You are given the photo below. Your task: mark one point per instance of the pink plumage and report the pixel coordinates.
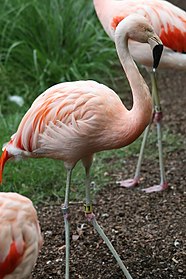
(73, 120)
(20, 236)
(168, 21)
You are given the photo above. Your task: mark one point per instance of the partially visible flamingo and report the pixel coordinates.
(20, 236)
(169, 22)
(73, 120)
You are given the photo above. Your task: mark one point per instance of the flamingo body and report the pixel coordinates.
(168, 21)
(73, 120)
(20, 237)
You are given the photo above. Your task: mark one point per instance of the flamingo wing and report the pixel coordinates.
(65, 117)
(168, 21)
(57, 107)
(12, 260)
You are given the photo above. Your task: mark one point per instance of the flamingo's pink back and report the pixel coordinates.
(168, 21)
(20, 236)
(69, 121)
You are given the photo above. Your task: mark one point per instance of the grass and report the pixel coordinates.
(46, 44)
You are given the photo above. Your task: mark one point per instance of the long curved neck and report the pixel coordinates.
(141, 111)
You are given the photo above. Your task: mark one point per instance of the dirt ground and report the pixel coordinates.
(148, 230)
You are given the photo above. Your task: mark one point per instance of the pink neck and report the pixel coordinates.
(140, 114)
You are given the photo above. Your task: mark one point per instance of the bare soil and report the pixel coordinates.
(148, 230)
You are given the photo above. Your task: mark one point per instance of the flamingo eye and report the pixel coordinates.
(148, 29)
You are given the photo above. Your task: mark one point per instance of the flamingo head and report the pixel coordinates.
(139, 29)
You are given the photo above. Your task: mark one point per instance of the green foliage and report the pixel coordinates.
(51, 41)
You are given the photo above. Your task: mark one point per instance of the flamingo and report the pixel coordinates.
(169, 22)
(20, 237)
(73, 120)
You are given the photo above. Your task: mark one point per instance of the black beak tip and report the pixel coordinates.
(157, 52)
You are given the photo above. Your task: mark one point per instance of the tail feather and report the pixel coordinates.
(3, 159)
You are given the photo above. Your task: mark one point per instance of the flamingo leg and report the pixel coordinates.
(158, 118)
(91, 218)
(132, 182)
(111, 248)
(65, 211)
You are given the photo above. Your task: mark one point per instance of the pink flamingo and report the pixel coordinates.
(169, 22)
(73, 120)
(20, 237)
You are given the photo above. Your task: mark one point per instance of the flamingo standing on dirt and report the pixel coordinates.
(169, 22)
(73, 120)
(20, 236)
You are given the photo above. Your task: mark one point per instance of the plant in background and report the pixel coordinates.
(51, 41)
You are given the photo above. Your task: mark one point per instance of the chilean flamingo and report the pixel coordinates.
(169, 22)
(20, 237)
(73, 120)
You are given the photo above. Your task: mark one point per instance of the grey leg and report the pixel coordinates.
(132, 182)
(158, 118)
(91, 218)
(65, 211)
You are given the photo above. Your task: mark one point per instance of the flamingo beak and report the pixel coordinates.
(3, 159)
(157, 49)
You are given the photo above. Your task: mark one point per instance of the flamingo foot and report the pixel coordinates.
(90, 216)
(156, 188)
(129, 183)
